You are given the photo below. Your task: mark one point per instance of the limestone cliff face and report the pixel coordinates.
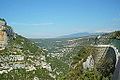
(89, 63)
(6, 33)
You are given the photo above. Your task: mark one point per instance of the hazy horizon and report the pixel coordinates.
(53, 18)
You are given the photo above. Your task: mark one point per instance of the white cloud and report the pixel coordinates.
(106, 31)
(116, 19)
(32, 24)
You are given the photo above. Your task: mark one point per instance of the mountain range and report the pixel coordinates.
(80, 34)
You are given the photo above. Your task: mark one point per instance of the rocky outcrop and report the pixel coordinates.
(19, 53)
(6, 33)
(89, 63)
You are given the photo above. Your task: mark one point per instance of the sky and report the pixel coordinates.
(52, 18)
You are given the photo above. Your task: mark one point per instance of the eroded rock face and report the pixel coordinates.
(6, 33)
(3, 37)
(89, 63)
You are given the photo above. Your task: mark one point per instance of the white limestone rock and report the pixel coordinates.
(89, 63)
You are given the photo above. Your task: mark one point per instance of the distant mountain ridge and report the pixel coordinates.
(81, 34)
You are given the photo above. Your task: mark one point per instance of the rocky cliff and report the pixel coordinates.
(20, 58)
(6, 34)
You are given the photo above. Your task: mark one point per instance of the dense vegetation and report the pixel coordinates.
(22, 74)
(112, 35)
(27, 49)
(78, 53)
(78, 73)
(22, 46)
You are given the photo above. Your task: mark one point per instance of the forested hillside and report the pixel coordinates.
(73, 52)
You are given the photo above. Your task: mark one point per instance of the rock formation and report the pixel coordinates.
(6, 33)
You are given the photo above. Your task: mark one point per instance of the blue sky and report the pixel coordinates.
(52, 18)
